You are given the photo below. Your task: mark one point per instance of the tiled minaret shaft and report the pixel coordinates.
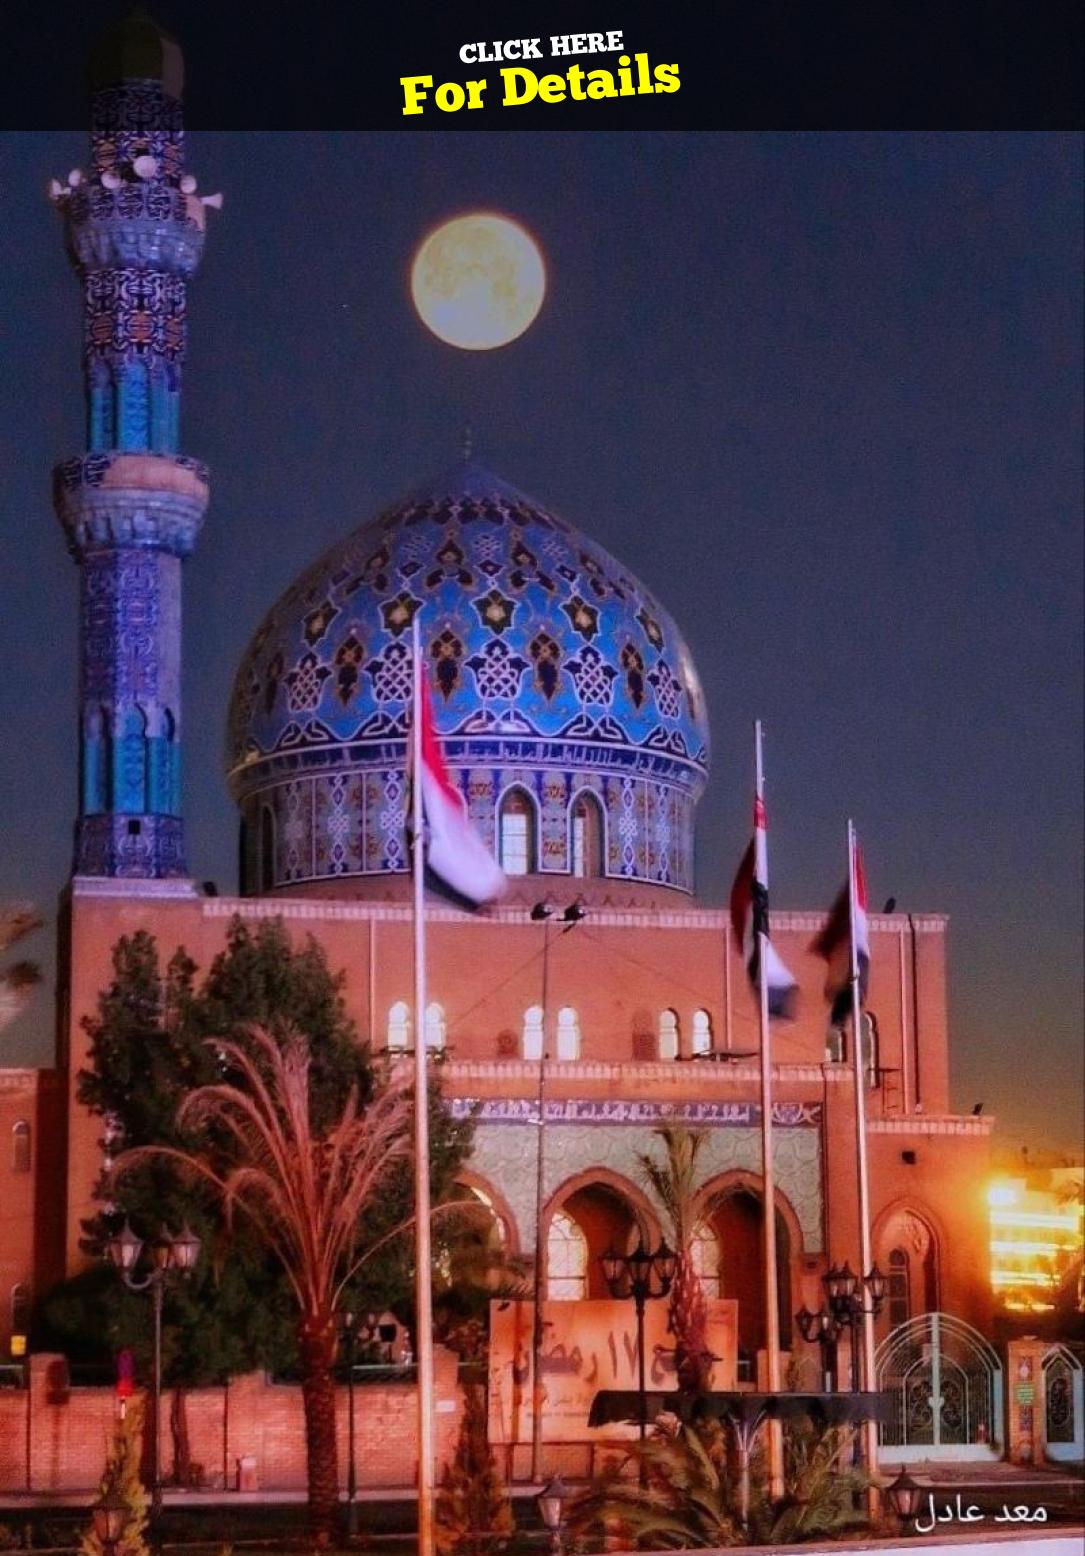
(132, 505)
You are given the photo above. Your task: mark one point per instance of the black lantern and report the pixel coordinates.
(124, 1249)
(877, 1284)
(612, 1263)
(903, 1496)
(667, 1264)
(848, 1281)
(551, 1500)
(185, 1250)
(110, 1514)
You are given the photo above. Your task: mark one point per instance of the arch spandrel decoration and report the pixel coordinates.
(505, 1154)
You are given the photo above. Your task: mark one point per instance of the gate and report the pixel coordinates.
(945, 1384)
(1064, 1404)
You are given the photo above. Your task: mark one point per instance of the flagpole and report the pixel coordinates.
(768, 1172)
(422, 1252)
(867, 1376)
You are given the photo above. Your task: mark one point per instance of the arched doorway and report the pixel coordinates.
(945, 1384)
(906, 1249)
(588, 1222)
(735, 1220)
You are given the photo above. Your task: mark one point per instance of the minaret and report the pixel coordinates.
(132, 505)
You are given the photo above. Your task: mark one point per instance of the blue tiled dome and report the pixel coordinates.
(548, 662)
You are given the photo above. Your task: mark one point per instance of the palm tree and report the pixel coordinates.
(688, 1499)
(304, 1191)
(675, 1184)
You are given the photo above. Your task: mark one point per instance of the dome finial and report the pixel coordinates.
(468, 441)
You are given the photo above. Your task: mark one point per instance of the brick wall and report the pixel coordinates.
(64, 1431)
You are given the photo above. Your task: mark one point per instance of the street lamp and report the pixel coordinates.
(852, 1298)
(349, 1337)
(642, 1275)
(552, 1499)
(823, 1327)
(903, 1496)
(171, 1257)
(110, 1514)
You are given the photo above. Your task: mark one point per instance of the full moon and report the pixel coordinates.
(478, 281)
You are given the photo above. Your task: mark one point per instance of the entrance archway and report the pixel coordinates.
(585, 1221)
(1064, 1404)
(734, 1218)
(945, 1384)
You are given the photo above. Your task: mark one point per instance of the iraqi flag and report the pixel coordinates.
(750, 920)
(455, 853)
(833, 945)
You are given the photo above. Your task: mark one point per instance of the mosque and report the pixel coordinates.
(574, 723)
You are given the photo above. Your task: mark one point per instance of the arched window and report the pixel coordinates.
(586, 839)
(267, 849)
(533, 1032)
(131, 788)
(704, 1250)
(566, 1260)
(435, 1027)
(899, 1294)
(399, 1025)
(20, 1146)
(516, 833)
(668, 1034)
(700, 1037)
(568, 1033)
(836, 1046)
(20, 1309)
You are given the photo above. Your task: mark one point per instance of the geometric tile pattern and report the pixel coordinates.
(551, 668)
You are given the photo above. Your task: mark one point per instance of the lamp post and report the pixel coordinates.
(851, 1299)
(349, 1338)
(172, 1258)
(110, 1514)
(644, 1276)
(542, 913)
(823, 1327)
(552, 1499)
(903, 1496)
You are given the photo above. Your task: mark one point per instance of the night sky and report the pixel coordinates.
(821, 392)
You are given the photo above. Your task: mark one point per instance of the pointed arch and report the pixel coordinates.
(587, 836)
(518, 831)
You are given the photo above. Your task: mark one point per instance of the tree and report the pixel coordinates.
(147, 1051)
(674, 1181)
(303, 1188)
(688, 1497)
(473, 1504)
(122, 1478)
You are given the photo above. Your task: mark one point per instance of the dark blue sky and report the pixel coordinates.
(820, 391)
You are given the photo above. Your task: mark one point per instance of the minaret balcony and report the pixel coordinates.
(138, 226)
(142, 499)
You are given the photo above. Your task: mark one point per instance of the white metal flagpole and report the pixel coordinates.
(768, 1173)
(867, 1375)
(422, 1252)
